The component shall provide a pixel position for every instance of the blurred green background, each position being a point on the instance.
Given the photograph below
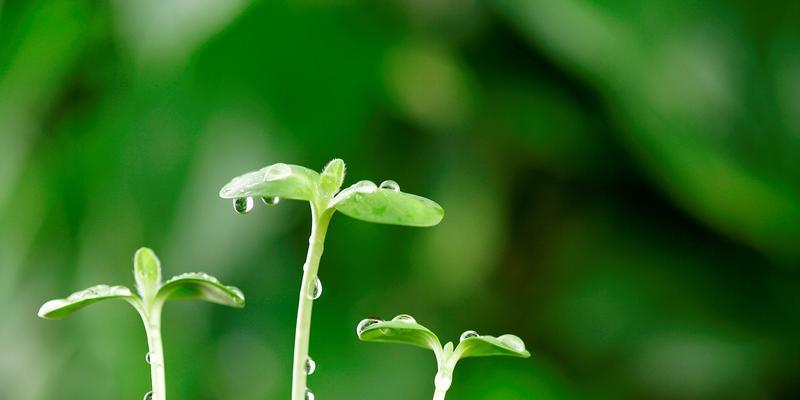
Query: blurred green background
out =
(621, 181)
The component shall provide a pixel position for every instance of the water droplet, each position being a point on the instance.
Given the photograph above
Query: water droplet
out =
(366, 323)
(311, 366)
(513, 342)
(243, 205)
(309, 394)
(390, 185)
(271, 201)
(366, 187)
(404, 318)
(149, 396)
(277, 171)
(316, 291)
(467, 335)
(149, 358)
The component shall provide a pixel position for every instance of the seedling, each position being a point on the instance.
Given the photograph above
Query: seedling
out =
(152, 294)
(404, 329)
(383, 204)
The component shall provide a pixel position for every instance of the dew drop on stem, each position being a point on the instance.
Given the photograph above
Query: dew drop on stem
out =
(271, 201)
(149, 396)
(309, 394)
(390, 185)
(316, 291)
(404, 318)
(149, 358)
(243, 205)
(366, 323)
(311, 366)
(467, 335)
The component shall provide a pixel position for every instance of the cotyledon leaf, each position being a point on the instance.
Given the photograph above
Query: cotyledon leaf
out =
(276, 180)
(482, 346)
(199, 285)
(401, 330)
(61, 308)
(366, 201)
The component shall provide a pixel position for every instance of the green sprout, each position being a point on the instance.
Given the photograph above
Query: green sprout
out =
(383, 204)
(152, 294)
(404, 329)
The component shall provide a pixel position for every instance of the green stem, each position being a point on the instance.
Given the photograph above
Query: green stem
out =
(444, 377)
(152, 325)
(316, 244)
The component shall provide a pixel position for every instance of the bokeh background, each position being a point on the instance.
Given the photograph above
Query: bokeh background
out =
(621, 181)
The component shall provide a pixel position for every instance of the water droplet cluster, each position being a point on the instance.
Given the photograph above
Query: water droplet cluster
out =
(99, 291)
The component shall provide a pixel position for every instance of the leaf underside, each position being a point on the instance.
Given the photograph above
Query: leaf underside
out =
(276, 180)
(401, 332)
(61, 308)
(386, 206)
(483, 346)
(201, 286)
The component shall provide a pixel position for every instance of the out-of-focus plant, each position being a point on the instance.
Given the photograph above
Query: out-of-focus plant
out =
(384, 204)
(151, 296)
(404, 329)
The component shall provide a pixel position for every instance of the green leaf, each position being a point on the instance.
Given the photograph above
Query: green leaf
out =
(385, 205)
(482, 346)
(61, 308)
(276, 180)
(147, 271)
(332, 177)
(402, 330)
(199, 285)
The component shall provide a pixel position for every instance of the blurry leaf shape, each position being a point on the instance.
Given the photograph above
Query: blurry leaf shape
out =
(35, 59)
(474, 201)
(429, 84)
(682, 96)
(482, 346)
(147, 271)
(276, 180)
(400, 332)
(61, 308)
(365, 201)
(168, 31)
(198, 285)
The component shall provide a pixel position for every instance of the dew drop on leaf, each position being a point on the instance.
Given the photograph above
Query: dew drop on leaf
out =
(277, 171)
(271, 201)
(366, 187)
(243, 205)
(311, 366)
(366, 323)
(390, 185)
(467, 335)
(405, 318)
(309, 394)
(149, 396)
(513, 342)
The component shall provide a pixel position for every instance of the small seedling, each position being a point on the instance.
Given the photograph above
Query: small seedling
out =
(404, 329)
(152, 294)
(384, 204)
